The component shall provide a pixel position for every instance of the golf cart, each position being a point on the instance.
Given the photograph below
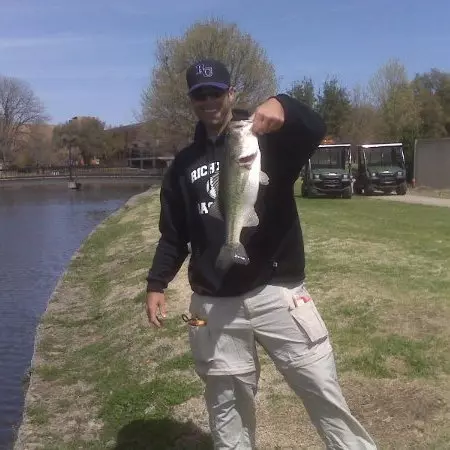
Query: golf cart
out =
(328, 172)
(381, 167)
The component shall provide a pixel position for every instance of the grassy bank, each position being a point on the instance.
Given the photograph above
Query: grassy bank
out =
(380, 273)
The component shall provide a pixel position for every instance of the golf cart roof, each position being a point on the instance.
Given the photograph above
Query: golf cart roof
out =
(334, 145)
(393, 144)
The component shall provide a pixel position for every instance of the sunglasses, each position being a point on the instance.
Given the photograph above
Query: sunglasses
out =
(200, 95)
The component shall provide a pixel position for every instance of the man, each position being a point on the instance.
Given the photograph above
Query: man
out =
(265, 301)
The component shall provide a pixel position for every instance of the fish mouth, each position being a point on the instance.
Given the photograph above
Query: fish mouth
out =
(240, 123)
(246, 161)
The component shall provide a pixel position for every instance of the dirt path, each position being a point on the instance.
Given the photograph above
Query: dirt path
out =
(417, 199)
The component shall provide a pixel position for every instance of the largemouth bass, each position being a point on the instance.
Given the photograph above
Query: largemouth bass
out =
(237, 185)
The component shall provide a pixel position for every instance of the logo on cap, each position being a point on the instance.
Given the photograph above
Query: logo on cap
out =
(206, 71)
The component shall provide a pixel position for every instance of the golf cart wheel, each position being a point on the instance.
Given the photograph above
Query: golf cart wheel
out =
(347, 192)
(368, 190)
(401, 189)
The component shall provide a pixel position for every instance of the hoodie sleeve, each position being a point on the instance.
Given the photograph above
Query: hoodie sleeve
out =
(171, 250)
(298, 138)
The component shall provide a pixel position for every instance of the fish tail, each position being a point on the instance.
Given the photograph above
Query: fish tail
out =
(232, 254)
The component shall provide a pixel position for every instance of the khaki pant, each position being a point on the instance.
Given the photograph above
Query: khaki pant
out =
(286, 322)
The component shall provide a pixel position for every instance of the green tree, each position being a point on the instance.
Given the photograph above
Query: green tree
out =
(432, 91)
(117, 145)
(304, 91)
(165, 104)
(333, 103)
(87, 134)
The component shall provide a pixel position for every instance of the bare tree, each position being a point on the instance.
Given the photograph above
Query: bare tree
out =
(394, 97)
(364, 120)
(165, 104)
(387, 78)
(35, 147)
(19, 108)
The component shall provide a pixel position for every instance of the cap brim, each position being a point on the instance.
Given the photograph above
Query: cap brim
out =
(211, 83)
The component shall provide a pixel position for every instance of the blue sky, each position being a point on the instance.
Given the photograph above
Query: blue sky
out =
(95, 57)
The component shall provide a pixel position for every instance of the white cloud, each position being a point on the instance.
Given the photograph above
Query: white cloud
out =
(85, 72)
(39, 41)
(7, 43)
(42, 7)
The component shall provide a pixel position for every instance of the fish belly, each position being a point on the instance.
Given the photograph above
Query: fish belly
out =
(242, 197)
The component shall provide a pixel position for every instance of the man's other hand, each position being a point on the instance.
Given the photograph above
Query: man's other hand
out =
(156, 302)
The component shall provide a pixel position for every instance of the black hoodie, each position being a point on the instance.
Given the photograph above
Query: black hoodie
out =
(275, 247)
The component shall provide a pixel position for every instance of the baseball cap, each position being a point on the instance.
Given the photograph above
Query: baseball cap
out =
(207, 72)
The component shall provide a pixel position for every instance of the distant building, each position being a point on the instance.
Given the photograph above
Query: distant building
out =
(139, 151)
(432, 163)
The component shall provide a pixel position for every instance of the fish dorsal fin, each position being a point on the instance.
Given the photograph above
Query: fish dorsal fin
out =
(263, 178)
(214, 210)
(252, 219)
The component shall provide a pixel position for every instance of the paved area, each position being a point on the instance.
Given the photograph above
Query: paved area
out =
(418, 199)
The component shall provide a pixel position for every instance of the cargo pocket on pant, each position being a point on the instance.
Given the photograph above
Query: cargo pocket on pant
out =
(309, 320)
(201, 347)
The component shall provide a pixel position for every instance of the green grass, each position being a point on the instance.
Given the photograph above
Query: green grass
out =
(378, 270)
(383, 274)
(182, 362)
(38, 415)
(152, 400)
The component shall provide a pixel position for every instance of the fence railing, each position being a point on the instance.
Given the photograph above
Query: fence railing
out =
(84, 171)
